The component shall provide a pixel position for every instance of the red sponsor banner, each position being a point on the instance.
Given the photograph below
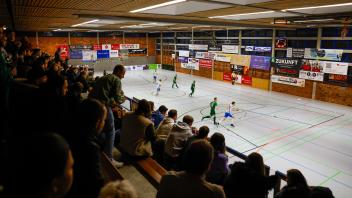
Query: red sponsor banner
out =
(227, 76)
(247, 80)
(205, 63)
(97, 47)
(64, 51)
(115, 46)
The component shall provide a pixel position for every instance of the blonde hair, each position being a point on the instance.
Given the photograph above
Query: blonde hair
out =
(118, 189)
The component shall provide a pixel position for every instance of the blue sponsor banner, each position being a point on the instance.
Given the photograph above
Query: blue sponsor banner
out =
(103, 54)
(76, 54)
(182, 59)
(260, 62)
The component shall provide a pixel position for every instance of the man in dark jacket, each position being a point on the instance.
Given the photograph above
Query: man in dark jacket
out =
(158, 116)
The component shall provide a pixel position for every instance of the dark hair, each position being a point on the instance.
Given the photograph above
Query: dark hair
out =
(187, 119)
(217, 140)
(46, 156)
(151, 103)
(118, 69)
(296, 179)
(215, 98)
(203, 132)
(172, 113)
(255, 162)
(198, 157)
(163, 109)
(88, 114)
(143, 108)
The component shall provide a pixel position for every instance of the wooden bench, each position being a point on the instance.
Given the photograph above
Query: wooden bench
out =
(152, 170)
(110, 172)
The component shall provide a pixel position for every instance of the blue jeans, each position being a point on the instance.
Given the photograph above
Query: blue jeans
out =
(108, 133)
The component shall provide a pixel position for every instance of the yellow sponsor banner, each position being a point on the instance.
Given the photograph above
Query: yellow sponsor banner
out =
(243, 60)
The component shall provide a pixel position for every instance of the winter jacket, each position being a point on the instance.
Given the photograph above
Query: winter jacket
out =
(177, 139)
(165, 127)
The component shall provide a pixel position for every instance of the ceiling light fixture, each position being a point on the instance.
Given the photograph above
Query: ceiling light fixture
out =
(313, 20)
(177, 28)
(315, 7)
(157, 6)
(243, 14)
(57, 30)
(92, 21)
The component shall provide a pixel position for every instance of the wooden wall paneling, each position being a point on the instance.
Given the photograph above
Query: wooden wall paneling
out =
(48, 44)
(305, 92)
(334, 94)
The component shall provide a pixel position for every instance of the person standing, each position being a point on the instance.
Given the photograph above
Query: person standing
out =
(229, 113)
(193, 86)
(233, 77)
(174, 82)
(108, 90)
(213, 106)
(158, 86)
(155, 76)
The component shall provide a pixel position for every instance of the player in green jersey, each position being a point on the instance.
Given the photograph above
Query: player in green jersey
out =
(213, 106)
(174, 82)
(193, 86)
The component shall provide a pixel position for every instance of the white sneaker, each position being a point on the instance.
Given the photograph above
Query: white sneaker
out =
(116, 163)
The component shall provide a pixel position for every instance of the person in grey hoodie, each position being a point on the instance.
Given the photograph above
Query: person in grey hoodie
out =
(176, 141)
(166, 125)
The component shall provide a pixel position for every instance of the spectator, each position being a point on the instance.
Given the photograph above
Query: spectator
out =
(176, 141)
(137, 133)
(219, 168)
(83, 139)
(82, 78)
(50, 171)
(108, 90)
(165, 126)
(296, 186)
(38, 74)
(118, 189)
(248, 179)
(191, 182)
(202, 134)
(12, 47)
(158, 116)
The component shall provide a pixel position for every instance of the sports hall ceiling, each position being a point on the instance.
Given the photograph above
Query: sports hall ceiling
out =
(176, 15)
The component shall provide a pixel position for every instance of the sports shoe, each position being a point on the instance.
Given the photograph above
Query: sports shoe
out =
(117, 164)
(232, 125)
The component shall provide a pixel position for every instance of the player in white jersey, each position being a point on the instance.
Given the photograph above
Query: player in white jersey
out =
(155, 76)
(158, 86)
(229, 113)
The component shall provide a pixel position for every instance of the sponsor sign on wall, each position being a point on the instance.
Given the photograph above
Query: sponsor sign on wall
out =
(193, 63)
(205, 63)
(114, 53)
(281, 43)
(335, 68)
(249, 48)
(65, 49)
(247, 80)
(183, 53)
(89, 55)
(115, 46)
(312, 65)
(243, 60)
(262, 49)
(137, 51)
(204, 55)
(97, 47)
(309, 75)
(223, 57)
(129, 46)
(323, 54)
(232, 49)
(182, 59)
(76, 54)
(260, 62)
(288, 80)
(286, 66)
(87, 47)
(227, 76)
(135, 67)
(295, 52)
(238, 79)
(106, 46)
(214, 49)
(197, 47)
(103, 54)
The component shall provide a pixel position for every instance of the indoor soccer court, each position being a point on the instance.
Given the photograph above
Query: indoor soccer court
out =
(314, 137)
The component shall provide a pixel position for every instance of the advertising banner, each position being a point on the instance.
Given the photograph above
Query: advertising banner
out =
(335, 68)
(97, 47)
(262, 49)
(137, 51)
(103, 54)
(89, 55)
(309, 75)
(323, 54)
(129, 46)
(193, 63)
(214, 49)
(247, 80)
(295, 52)
(312, 65)
(223, 57)
(154, 66)
(286, 66)
(115, 46)
(238, 79)
(198, 47)
(76, 54)
(135, 67)
(106, 46)
(281, 43)
(205, 63)
(227, 76)
(232, 49)
(204, 55)
(243, 60)
(260, 62)
(288, 80)
(182, 59)
(86, 47)
(183, 53)
(249, 48)
(114, 53)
